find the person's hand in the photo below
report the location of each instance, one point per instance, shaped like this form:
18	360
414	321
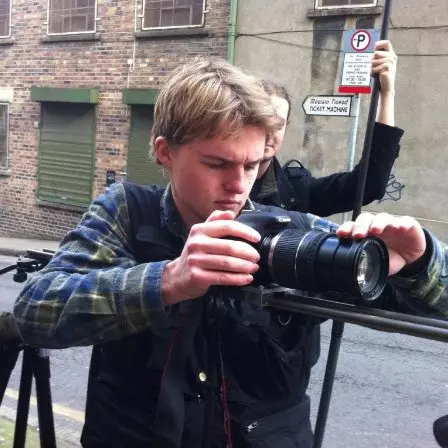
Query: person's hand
403	235
210	258
384	64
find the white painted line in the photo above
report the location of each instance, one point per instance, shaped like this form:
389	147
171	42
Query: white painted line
58	409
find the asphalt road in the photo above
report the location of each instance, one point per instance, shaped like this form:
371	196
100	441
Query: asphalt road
389	388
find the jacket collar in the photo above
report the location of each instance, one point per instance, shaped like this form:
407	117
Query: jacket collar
276	186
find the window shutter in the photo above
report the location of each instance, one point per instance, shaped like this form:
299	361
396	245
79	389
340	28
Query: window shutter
140	168
66	153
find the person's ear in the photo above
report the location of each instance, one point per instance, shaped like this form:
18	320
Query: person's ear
163	152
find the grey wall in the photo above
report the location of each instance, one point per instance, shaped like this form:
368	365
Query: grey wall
279	41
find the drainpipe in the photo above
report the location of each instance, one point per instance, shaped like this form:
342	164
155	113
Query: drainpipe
232	31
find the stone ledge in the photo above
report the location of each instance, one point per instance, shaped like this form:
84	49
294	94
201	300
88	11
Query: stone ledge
71	37
7	41
4	172
173	32
356	11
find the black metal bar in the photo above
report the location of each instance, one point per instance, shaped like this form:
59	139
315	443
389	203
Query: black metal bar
44	255
381	320
8	268
297	297
370	121
338	327
322	414
8	359
23	405
44	402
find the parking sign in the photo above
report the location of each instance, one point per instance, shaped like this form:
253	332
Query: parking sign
358	53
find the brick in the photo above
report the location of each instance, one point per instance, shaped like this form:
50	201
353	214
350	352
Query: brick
102	64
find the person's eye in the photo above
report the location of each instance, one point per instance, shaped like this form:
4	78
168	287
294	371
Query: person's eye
215	166
251	167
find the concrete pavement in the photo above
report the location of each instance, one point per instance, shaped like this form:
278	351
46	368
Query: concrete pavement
19	246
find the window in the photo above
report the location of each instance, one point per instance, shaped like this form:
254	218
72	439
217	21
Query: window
3	135
344	3
172	13
71	16
5	18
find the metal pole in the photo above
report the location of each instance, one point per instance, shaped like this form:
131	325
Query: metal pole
353	136
43	393
8	269
23	405
338	327
8	361
327	389
378	319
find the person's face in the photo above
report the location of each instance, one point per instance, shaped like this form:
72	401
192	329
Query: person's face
213	174
275	140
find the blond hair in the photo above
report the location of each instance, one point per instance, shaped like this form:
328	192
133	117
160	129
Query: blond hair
207	98
274	89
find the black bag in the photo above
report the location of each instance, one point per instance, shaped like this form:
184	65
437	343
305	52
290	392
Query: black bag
295	171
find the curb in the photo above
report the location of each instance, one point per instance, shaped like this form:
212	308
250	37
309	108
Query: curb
11	252
7	426
17	251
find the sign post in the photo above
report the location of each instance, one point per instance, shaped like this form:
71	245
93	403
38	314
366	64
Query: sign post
353	135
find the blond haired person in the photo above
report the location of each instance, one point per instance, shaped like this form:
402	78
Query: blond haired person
177	363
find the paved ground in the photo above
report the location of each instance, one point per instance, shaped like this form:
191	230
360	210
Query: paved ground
389	387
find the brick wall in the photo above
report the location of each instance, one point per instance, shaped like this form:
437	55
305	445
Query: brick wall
29	61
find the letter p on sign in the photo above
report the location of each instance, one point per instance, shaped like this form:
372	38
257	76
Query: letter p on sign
360	40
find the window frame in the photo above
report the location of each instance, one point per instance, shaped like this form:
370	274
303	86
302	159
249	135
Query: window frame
174	27
6	166
372	4
72	33
10	21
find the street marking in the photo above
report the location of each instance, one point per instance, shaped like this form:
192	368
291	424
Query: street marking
58	409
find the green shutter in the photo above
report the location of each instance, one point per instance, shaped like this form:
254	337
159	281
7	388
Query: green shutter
140	168
66	153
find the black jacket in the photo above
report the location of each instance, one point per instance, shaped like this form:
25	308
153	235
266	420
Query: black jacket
323	196
165	387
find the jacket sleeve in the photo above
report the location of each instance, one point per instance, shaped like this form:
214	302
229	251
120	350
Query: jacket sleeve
336	193
92	290
425	290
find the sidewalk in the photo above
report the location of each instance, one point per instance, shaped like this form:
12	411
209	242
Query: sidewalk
19	246
32	436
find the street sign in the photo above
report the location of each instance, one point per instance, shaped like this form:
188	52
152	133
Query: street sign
336	106
360	40
358	53
356	73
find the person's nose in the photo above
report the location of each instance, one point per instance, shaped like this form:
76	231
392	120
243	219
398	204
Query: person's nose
235	180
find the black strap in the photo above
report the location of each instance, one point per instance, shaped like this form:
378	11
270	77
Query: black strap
170	415
144	213
291	161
